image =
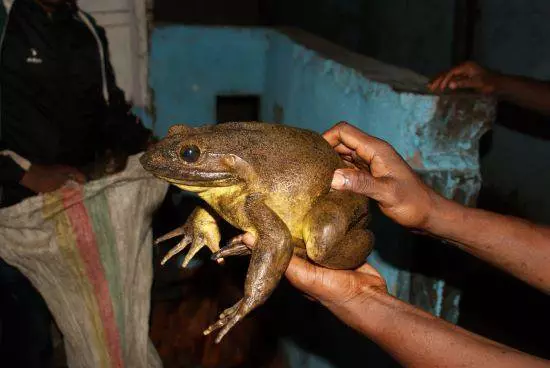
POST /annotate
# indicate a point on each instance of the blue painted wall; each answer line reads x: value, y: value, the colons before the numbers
x: 316, y: 92
x: 190, y: 66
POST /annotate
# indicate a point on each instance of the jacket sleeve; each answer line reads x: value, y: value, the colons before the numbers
x: 123, y: 129
x: 10, y: 171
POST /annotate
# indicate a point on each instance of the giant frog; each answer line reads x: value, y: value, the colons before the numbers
x: 271, y: 181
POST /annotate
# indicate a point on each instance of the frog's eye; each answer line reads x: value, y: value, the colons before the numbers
x: 190, y: 154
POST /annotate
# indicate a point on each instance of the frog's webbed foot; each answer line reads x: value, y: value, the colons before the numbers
x: 200, y: 230
x: 235, y: 247
x: 228, y: 319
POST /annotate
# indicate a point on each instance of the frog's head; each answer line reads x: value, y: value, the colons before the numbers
x: 194, y: 159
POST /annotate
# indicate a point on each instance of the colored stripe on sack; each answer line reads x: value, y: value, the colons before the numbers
x: 89, y: 253
x: 98, y: 210
x: 66, y: 241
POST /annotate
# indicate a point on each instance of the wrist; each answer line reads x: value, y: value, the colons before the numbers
x: 442, y: 213
x: 370, y: 315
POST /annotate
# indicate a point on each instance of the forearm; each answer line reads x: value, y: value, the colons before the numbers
x: 525, y: 92
x: 418, y: 339
x: 511, y: 244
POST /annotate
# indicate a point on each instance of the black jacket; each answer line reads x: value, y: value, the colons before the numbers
x: 59, y: 100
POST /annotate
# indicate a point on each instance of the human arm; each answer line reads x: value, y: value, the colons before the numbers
x: 413, y: 337
x: 514, y: 245
x: 525, y: 92
x: 37, y: 178
x: 15, y: 169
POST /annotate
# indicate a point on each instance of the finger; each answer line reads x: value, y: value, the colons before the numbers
x: 342, y: 149
x: 360, y: 182
x: 434, y: 84
x: 80, y: 178
x: 363, y: 144
x: 75, y: 175
x: 474, y: 83
x: 249, y: 240
x: 459, y: 71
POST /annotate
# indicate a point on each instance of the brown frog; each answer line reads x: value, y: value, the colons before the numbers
x: 269, y: 180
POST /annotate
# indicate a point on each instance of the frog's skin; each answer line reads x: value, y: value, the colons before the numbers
x: 269, y: 180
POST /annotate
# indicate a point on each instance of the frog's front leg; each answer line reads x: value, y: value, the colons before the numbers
x: 200, y: 229
x: 271, y: 255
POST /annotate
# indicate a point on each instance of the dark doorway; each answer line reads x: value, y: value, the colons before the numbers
x: 237, y: 108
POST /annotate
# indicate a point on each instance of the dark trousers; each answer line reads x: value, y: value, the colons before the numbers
x: 25, y: 334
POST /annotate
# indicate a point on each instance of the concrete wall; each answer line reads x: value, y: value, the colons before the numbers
x: 414, y: 34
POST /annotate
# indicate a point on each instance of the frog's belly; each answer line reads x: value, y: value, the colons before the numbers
x: 232, y: 209
x: 292, y: 213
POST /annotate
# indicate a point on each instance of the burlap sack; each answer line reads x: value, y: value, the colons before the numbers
x: 88, y: 250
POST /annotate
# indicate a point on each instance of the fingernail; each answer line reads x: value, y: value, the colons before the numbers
x: 338, y: 180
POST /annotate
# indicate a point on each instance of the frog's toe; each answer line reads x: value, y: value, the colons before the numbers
x: 178, y: 248
x: 172, y: 234
x: 230, y: 311
x: 234, y: 249
x: 198, y: 244
x: 228, y: 319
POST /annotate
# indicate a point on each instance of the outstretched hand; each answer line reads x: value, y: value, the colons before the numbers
x: 466, y: 75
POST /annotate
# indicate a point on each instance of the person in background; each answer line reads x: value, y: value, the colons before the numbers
x: 524, y: 92
x: 60, y: 110
x: 360, y: 297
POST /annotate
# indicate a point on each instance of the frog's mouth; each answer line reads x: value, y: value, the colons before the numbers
x: 202, y: 179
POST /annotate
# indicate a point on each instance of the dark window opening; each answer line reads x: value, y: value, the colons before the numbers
x: 237, y: 108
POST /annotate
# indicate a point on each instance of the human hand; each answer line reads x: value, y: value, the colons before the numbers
x: 44, y: 179
x: 466, y: 75
x: 335, y: 289
x: 381, y: 174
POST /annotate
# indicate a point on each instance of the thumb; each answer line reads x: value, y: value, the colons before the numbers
x: 357, y: 181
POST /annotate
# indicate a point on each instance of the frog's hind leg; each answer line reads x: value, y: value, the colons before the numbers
x: 335, y: 231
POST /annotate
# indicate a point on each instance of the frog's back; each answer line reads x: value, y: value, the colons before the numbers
x: 287, y: 159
